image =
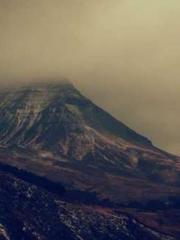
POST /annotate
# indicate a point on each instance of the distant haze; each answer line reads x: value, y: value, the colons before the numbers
x: 123, y: 54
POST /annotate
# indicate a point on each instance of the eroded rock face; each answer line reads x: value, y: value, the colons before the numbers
x: 46, y: 115
x: 3, y: 233
x: 28, y: 212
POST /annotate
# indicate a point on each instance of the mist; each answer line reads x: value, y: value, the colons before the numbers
x: 124, y: 55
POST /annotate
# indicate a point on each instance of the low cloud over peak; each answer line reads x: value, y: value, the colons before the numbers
x: 124, y: 55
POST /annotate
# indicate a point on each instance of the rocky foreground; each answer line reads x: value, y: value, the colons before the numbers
x: 30, y: 212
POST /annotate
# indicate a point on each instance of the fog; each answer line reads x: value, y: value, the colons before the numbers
x: 123, y: 54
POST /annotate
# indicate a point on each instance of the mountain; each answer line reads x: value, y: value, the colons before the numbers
x: 70, y: 170
x: 52, y: 130
x: 47, y: 114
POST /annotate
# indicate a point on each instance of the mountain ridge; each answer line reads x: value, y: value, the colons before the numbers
x: 71, y: 95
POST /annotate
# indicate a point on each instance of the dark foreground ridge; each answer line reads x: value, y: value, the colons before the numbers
x: 30, y: 212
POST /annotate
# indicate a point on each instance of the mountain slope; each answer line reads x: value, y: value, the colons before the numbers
x: 53, y: 130
x: 27, y: 110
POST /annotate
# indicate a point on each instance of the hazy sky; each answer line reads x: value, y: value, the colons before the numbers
x: 124, y: 54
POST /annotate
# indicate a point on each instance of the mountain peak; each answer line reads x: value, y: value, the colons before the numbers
x: 54, y: 106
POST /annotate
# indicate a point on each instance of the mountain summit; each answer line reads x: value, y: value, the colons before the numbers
x: 53, y: 130
x: 45, y: 115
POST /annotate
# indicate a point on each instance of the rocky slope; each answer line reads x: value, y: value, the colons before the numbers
x: 54, y: 131
x: 68, y: 170
x: 34, y: 114
x: 30, y: 212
